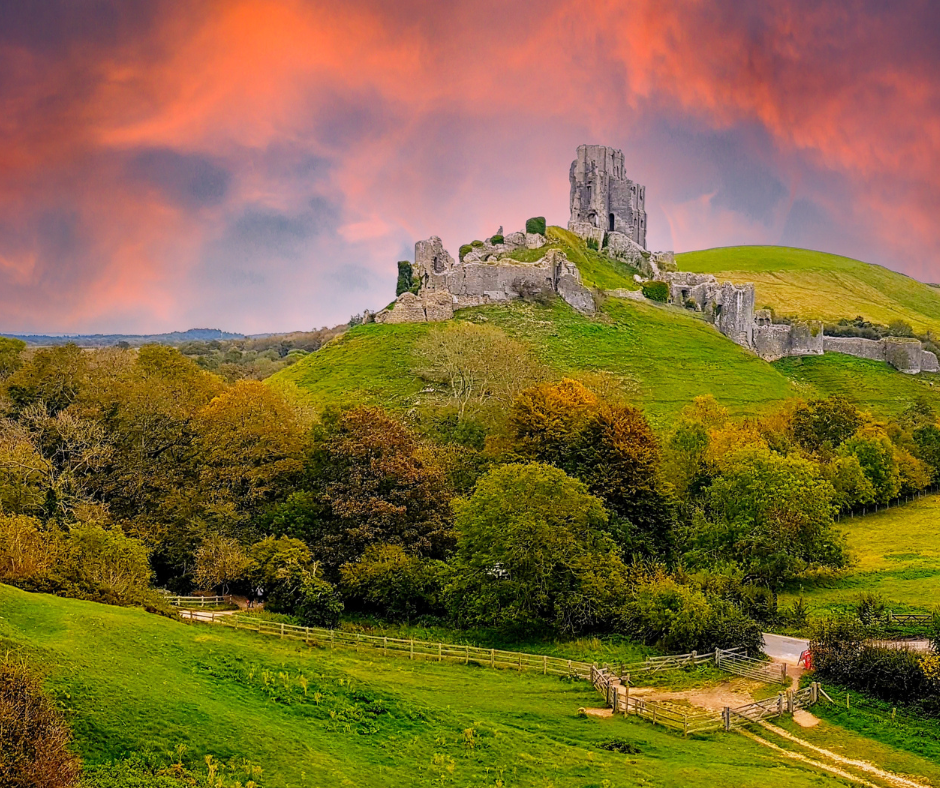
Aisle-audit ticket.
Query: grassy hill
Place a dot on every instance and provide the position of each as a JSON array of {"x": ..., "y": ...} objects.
[
  {"x": 133, "y": 682},
  {"x": 664, "y": 356},
  {"x": 896, "y": 554},
  {"x": 816, "y": 285}
]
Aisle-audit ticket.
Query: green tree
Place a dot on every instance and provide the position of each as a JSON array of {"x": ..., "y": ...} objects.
[
  {"x": 10, "y": 355},
  {"x": 405, "y": 281},
  {"x": 927, "y": 448},
  {"x": 526, "y": 536},
  {"x": 772, "y": 515},
  {"x": 827, "y": 421},
  {"x": 106, "y": 564},
  {"x": 220, "y": 561},
  {"x": 875, "y": 453}
]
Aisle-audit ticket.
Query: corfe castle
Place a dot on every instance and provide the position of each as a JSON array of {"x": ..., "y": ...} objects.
[{"x": 609, "y": 209}]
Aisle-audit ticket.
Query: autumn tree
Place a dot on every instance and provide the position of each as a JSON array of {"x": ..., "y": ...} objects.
[
  {"x": 369, "y": 480},
  {"x": 610, "y": 447},
  {"x": 10, "y": 355},
  {"x": 220, "y": 561},
  {"x": 825, "y": 422}
]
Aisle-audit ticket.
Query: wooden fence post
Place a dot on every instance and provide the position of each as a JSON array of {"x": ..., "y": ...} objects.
[
  {"x": 466, "y": 657},
  {"x": 282, "y": 630},
  {"x": 332, "y": 645},
  {"x": 815, "y": 690},
  {"x": 412, "y": 648},
  {"x": 717, "y": 657},
  {"x": 385, "y": 645},
  {"x": 726, "y": 717},
  {"x": 544, "y": 666},
  {"x": 439, "y": 652},
  {"x": 847, "y": 701},
  {"x": 492, "y": 657}
]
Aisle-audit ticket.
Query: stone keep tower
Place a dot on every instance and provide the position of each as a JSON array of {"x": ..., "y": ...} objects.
[{"x": 602, "y": 195}]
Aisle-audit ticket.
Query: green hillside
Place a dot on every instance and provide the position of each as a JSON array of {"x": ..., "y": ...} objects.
[
  {"x": 664, "y": 356},
  {"x": 896, "y": 554},
  {"x": 131, "y": 682},
  {"x": 816, "y": 285}
]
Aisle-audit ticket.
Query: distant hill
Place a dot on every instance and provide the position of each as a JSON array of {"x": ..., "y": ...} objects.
[
  {"x": 107, "y": 340},
  {"x": 816, "y": 285},
  {"x": 664, "y": 355}
]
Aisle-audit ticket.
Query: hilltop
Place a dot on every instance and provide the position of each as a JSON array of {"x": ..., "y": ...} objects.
[
  {"x": 820, "y": 286},
  {"x": 663, "y": 355}
]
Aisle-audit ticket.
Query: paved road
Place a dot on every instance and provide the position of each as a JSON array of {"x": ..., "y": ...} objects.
[{"x": 784, "y": 648}]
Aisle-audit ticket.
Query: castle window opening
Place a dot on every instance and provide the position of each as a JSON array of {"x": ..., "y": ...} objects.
[{"x": 611, "y": 223}]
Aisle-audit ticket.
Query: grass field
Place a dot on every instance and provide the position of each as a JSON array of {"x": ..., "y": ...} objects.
[
  {"x": 133, "y": 682},
  {"x": 816, "y": 285},
  {"x": 896, "y": 554}
]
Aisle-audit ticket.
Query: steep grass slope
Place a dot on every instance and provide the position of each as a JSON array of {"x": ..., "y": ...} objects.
[
  {"x": 816, "y": 285},
  {"x": 133, "y": 682},
  {"x": 664, "y": 356},
  {"x": 896, "y": 554}
]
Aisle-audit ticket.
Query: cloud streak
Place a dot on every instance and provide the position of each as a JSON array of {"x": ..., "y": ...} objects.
[{"x": 259, "y": 165}]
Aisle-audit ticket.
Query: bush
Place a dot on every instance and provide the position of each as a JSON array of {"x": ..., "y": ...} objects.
[
  {"x": 535, "y": 225},
  {"x": 405, "y": 281},
  {"x": 592, "y": 244},
  {"x": 319, "y": 605},
  {"x": 394, "y": 585},
  {"x": 497, "y": 239},
  {"x": 464, "y": 251},
  {"x": 105, "y": 565},
  {"x": 656, "y": 291},
  {"x": 679, "y": 618},
  {"x": 34, "y": 739},
  {"x": 476, "y": 244}
]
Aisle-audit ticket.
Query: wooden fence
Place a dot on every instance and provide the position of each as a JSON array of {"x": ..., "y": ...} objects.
[
  {"x": 909, "y": 618},
  {"x": 749, "y": 667},
  {"x": 411, "y": 649},
  {"x": 202, "y": 601}
]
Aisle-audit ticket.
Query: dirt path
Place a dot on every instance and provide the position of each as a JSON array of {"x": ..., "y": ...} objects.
[
  {"x": 733, "y": 693},
  {"x": 865, "y": 766}
]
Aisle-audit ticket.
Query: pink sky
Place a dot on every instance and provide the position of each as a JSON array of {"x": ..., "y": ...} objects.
[{"x": 260, "y": 165}]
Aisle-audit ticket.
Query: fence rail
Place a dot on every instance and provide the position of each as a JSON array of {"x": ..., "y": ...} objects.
[
  {"x": 176, "y": 601},
  {"x": 909, "y": 618},
  {"x": 412, "y": 649}
]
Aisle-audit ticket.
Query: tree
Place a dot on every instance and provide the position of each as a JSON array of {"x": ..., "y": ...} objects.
[
  {"x": 394, "y": 584},
  {"x": 772, "y": 515},
  {"x": 26, "y": 550},
  {"x": 405, "y": 280},
  {"x": 220, "y": 561},
  {"x": 480, "y": 366},
  {"x": 825, "y": 421},
  {"x": 318, "y": 604},
  {"x": 10, "y": 356},
  {"x": 54, "y": 376},
  {"x": 610, "y": 447},
  {"x": 106, "y": 564},
  {"x": 876, "y": 454},
  {"x": 369, "y": 481},
  {"x": 927, "y": 448},
  {"x": 35, "y": 743},
  {"x": 526, "y": 537},
  {"x": 279, "y": 565},
  {"x": 249, "y": 445}
]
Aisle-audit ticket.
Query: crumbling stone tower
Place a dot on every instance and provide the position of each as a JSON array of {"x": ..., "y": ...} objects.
[{"x": 604, "y": 197}]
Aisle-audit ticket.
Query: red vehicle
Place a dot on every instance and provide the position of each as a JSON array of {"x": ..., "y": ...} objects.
[{"x": 806, "y": 659}]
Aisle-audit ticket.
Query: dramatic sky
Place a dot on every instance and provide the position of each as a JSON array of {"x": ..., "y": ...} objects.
[{"x": 260, "y": 165}]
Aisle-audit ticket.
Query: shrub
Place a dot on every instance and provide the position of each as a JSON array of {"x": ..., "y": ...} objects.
[
  {"x": 393, "y": 584},
  {"x": 656, "y": 291},
  {"x": 690, "y": 303},
  {"x": 592, "y": 244},
  {"x": 319, "y": 605},
  {"x": 476, "y": 244},
  {"x": 34, "y": 739},
  {"x": 464, "y": 251},
  {"x": 106, "y": 565},
  {"x": 677, "y": 617},
  {"x": 535, "y": 225},
  {"x": 497, "y": 239},
  {"x": 405, "y": 281},
  {"x": 26, "y": 551}
]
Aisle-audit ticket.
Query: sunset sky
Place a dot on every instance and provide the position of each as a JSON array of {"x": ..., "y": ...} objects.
[{"x": 260, "y": 165}]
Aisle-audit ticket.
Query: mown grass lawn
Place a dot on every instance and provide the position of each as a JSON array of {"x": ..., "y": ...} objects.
[
  {"x": 817, "y": 285},
  {"x": 895, "y": 553},
  {"x": 133, "y": 682}
]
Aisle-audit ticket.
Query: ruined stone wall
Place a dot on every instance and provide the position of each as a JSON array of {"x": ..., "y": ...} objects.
[{"x": 777, "y": 340}]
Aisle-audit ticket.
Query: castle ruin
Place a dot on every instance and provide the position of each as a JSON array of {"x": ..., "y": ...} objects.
[{"x": 608, "y": 210}]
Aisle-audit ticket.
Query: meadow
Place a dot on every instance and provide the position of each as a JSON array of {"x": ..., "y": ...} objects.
[
  {"x": 895, "y": 554},
  {"x": 821, "y": 286},
  {"x": 133, "y": 682}
]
